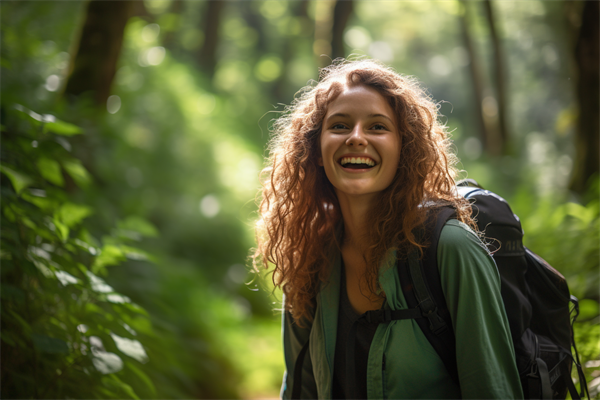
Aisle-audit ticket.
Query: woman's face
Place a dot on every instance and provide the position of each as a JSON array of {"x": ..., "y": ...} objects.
[{"x": 360, "y": 143}]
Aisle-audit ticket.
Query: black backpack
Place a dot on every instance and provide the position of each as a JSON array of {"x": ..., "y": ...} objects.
[{"x": 535, "y": 295}]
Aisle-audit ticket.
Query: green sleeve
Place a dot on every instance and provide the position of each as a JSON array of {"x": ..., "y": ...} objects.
[
  {"x": 471, "y": 285},
  {"x": 294, "y": 338}
]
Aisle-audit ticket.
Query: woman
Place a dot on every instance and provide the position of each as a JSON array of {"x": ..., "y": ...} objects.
[{"x": 356, "y": 165}]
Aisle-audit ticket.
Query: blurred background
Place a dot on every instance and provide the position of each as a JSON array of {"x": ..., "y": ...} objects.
[{"x": 133, "y": 133}]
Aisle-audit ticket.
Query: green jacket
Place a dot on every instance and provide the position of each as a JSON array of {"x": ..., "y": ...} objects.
[{"x": 485, "y": 354}]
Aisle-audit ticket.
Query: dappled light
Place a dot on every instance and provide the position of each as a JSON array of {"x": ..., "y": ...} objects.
[{"x": 132, "y": 148}]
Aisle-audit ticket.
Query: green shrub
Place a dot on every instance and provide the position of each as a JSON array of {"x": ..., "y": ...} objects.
[{"x": 65, "y": 332}]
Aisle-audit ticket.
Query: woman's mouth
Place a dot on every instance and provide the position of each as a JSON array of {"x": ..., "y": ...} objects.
[{"x": 357, "y": 162}]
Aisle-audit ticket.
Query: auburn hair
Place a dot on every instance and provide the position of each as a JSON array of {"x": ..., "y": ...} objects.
[{"x": 300, "y": 222}]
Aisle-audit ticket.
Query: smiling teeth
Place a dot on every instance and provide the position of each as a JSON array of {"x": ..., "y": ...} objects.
[{"x": 357, "y": 160}]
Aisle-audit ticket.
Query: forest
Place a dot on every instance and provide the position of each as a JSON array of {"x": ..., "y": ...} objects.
[{"x": 134, "y": 132}]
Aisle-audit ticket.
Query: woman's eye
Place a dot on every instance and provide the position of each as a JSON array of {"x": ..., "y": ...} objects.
[
  {"x": 338, "y": 126},
  {"x": 378, "y": 127}
]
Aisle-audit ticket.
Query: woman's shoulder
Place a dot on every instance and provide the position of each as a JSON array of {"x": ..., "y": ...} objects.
[
  {"x": 456, "y": 235},
  {"x": 462, "y": 256}
]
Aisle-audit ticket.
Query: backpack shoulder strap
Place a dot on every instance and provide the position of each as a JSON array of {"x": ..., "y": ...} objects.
[
  {"x": 421, "y": 285},
  {"x": 297, "y": 389}
]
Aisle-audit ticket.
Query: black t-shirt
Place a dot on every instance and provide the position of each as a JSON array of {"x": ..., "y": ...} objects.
[{"x": 364, "y": 337}]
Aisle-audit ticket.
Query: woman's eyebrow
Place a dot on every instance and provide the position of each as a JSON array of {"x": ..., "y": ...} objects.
[
  {"x": 380, "y": 115},
  {"x": 338, "y": 115},
  {"x": 342, "y": 115}
]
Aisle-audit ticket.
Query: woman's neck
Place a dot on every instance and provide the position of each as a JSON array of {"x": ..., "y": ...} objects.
[{"x": 355, "y": 211}]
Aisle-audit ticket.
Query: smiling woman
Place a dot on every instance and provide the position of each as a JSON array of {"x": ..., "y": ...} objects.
[
  {"x": 360, "y": 144},
  {"x": 359, "y": 168}
]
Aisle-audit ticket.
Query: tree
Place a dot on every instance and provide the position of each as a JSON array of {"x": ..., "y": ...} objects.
[
  {"x": 341, "y": 14},
  {"x": 476, "y": 73},
  {"x": 94, "y": 65},
  {"x": 499, "y": 81},
  {"x": 207, "y": 57},
  {"x": 587, "y": 135}
]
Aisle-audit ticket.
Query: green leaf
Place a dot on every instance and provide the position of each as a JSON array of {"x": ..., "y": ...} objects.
[
  {"x": 77, "y": 171},
  {"x": 133, "y": 253},
  {"x": 107, "y": 363},
  {"x": 65, "y": 278},
  {"x": 113, "y": 382},
  {"x": 63, "y": 128},
  {"x": 50, "y": 170},
  {"x": 44, "y": 203},
  {"x": 139, "y": 225},
  {"x": 131, "y": 348},
  {"x": 19, "y": 180},
  {"x": 49, "y": 344},
  {"x": 98, "y": 285},
  {"x": 61, "y": 229},
  {"x": 91, "y": 308},
  {"x": 110, "y": 255},
  {"x": 71, "y": 214},
  {"x": 147, "y": 381}
]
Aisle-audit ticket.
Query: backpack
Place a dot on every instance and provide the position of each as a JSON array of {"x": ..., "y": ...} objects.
[{"x": 535, "y": 295}]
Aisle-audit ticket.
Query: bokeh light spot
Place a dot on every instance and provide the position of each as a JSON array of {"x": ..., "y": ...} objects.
[
  {"x": 113, "y": 104},
  {"x": 472, "y": 148},
  {"x": 52, "y": 83},
  {"x": 268, "y": 69},
  {"x": 490, "y": 106},
  {"x": 321, "y": 47},
  {"x": 272, "y": 9},
  {"x": 381, "y": 51},
  {"x": 357, "y": 37},
  {"x": 237, "y": 273},
  {"x": 460, "y": 56},
  {"x": 150, "y": 32},
  {"x": 157, "y": 7},
  {"x": 156, "y": 55},
  {"x": 210, "y": 206},
  {"x": 206, "y": 103},
  {"x": 440, "y": 65}
]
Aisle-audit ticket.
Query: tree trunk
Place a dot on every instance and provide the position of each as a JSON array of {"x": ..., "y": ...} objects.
[
  {"x": 94, "y": 65},
  {"x": 587, "y": 143},
  {"x": 290, "y": 47},
  {"x": 170, "y": 37},
  {"x": 341, "y": 15},
  {"x": 323, "y": 31},
  {"x": 257, "y": 22},
  {"x": 207, "y": 58},
  {"x": 500, "y": 80},
  {"x": 476, "y": 75}
]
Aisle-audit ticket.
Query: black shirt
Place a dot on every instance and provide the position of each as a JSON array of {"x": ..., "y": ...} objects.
[{"x": 364, "y": 337}]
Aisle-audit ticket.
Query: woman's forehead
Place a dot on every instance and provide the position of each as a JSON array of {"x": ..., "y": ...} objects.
[{"x": 353, "y": 98}]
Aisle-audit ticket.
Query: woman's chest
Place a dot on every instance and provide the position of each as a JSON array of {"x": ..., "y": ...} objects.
[{"x": 361, "y": 295}]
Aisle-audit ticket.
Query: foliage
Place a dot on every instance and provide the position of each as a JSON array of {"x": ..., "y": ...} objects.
[
  {"x": 567, "y": 235},
  {"x": 65, "y": 331},
  {"x": 161, "y": 183}
]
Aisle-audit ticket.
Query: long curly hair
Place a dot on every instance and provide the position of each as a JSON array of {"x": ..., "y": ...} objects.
[{"x": 300, "y": 223}]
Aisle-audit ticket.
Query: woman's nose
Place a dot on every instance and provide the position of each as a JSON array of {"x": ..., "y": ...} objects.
[{"x": 357, "y": 137}]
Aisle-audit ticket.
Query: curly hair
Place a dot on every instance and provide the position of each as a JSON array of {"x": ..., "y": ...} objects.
[{"x": 299, "y": 211}]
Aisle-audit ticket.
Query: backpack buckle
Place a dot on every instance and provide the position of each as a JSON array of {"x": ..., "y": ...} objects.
[
  {"x": 378, "y": 316},
  {"x": 436, "y": 323}
]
